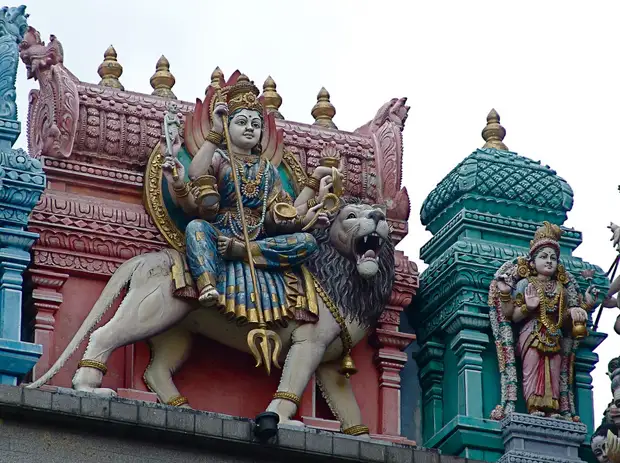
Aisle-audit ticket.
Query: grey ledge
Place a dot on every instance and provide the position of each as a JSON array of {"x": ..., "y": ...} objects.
[{"x": 90, "y": 428}]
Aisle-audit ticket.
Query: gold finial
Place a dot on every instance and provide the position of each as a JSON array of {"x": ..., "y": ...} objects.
[
  {"x": 323, "y": 111},
  {"x": 272, "y": 98},
  {"x": 163, "y": 80},
  {"x": 494, "y": 133},
  {"x": 216, "y": 76},
  {"x": 110, "y": 70}
]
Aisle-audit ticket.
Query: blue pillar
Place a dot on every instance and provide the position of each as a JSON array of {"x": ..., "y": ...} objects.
[{"x": 21, "y": 183}]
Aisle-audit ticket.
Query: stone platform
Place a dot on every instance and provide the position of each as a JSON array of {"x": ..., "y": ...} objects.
[
  {"x": 65, "y": 427},
  {"x": 532, "y": 439}
]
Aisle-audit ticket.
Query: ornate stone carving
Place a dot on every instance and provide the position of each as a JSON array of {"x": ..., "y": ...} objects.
[
  {"x": 53, "y": 111},
  {"x": 12, "y": 28},
  {"x": 386, "y": 132}
]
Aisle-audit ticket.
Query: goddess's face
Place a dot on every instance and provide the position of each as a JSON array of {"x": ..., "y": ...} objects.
[
  {"x": 546, "y": 261},
  {"x": 245, "y": 129},
  {"x": 599, "y": 448}
]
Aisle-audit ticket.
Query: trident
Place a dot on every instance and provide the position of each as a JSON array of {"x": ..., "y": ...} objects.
[{"x": 260, "y": 336}]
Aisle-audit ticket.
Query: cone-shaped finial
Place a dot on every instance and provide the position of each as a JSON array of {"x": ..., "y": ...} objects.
[
  {"x": 216, "y": 76},
  {"x": 272, "y": 98},
  {"x": 323, "y": 111},
  {"x": 494, "y": 133},
  {"x": 243, "y": 78},
  {"x": 163, "y": 80},
  {"x": 110, "y": 70}
]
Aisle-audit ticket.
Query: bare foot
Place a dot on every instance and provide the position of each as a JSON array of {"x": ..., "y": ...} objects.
[
  {"x": 230, "y": 248},
  {"x": 208, "y": 296}
]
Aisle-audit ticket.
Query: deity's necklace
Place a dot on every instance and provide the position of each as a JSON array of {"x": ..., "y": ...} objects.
[
  {"x": 250, "y": 187},
  {"x": 548, "y": 305}
]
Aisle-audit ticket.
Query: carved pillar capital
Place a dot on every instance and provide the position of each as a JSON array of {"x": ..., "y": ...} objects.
[{"x": 46, "y": 299}]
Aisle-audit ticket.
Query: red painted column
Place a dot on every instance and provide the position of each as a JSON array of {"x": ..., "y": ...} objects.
[
  {"x": 46, "y": 300},
  {"x": 389, "y": 343}
]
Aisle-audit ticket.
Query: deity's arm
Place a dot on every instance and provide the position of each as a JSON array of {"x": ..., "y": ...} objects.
[
  {"x": 202, "y": 161},
  {"x": 302, "y": 201},
  {"x": 183, "y": 197},
  {"x": 513, "y": 304}
]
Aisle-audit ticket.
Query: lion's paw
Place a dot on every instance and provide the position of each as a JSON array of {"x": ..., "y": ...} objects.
[
  {"x": 292, "y": 423},
  {"x": 100, "y": 391}
]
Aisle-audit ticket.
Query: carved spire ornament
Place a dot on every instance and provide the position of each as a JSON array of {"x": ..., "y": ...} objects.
[
  {"x": 272, "y": 98},
  {"x": 110, "y": 70},
  {"x": 494, "y": 133},
  {"x": 216, "y": 77},
  {"x": 163, "y": 80},
  {"x": 324, "y": 111}
]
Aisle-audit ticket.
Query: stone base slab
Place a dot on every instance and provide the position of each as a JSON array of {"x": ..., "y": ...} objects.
[
  {"x": 122, "y": 430},
  {"x": 529, "y": 438}
]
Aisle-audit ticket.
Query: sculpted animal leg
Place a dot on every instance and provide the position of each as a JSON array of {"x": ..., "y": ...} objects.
[
  {"x": 336, "y": 389},
  {"x": 309, "y": 343},
  {"x": 169, "y": 350},
  {"x": 145, "y": 312}
]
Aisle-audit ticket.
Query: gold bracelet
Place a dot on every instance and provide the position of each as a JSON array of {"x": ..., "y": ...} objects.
[
  {"x": 312, "y": 202},
  {"x": 181, "y": 192},
  {"x": 505, "y": 297},
  {"x": 85, "y": 363},
  {"x": 287, "y": 396},
  {"x": 357, "y": 430},
  {"x": 313, "y": 183},
  {"x": 524, "y": 310},
  {"x": 214, "y": 137}
]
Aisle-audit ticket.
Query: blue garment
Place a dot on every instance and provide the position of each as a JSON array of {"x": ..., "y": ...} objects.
[{"x": 276, "y": 258}]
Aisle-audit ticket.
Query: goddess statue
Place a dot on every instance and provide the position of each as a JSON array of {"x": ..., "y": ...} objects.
[
  {"x": 217, "y": 254},
  {"x": 541, "y": 299}
]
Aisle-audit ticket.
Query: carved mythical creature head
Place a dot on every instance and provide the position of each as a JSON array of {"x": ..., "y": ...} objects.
[{"x": 355, "y": 260}]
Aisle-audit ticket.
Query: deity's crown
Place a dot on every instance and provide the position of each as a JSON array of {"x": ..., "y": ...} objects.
[
  {"x": 546, "y": 235},
  {"x": 243, "y": 95}
]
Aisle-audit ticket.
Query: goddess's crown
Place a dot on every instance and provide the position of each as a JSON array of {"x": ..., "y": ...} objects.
[
  {"x": 547, "y": 235},
  {"x": 243, "y": 95}
]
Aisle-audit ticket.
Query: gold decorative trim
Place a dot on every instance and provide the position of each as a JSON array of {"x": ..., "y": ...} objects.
[
  {"x": 85, "y": 363},
  {"x": 177, "y": 401},
  {"x": 154, "y": 201},
  {"x": 356, "y": 430},
  {"x": 287, "y": 396}
]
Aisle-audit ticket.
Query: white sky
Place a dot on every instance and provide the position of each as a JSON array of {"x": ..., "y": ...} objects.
[{"x": 549, "y": 68}]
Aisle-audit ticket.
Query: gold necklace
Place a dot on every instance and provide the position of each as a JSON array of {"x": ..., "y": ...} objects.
[
  {"x": 548, "y": 305},
  {"x": 250, "y": 188}
]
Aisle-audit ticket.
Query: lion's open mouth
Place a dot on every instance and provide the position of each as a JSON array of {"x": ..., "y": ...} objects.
[{"x": 368, "y": 247}]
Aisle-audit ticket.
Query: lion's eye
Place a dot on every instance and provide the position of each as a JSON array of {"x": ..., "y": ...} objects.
[{"x": 351, "y": 216}]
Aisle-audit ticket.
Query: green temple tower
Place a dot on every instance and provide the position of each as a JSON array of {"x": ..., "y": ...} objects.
[{"x": 482, "y": 214}]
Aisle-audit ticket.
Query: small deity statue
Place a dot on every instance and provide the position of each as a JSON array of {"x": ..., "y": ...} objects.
[
  {"x": 542, "y": 300},
  {"x": 171, "y": 135},
  {"x": 277, "y": 228}
]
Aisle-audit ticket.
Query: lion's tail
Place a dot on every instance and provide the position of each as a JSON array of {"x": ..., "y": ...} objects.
[{"x": 117, "y": 283}]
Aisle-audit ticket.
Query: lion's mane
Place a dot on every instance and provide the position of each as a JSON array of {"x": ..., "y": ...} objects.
[{"x": 359, "y": 299}]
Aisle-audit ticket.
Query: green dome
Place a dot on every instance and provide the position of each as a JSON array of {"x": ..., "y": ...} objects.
[{"x": 500, "y": 182}]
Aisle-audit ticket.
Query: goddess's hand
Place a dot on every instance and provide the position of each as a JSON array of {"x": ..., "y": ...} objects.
[
  {"x": 532, "y": 301},
  {"x": 502, "y": 285},
  {"x": 324, "y": 187},
  {"x": 167, "y": 170},
  {"x": 323, "y": 171},
  {"x": 578, "y": 314},
  {"x": 220, "y": 112}
]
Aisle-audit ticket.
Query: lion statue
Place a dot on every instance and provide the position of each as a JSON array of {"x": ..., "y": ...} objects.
[{"x": 354, "y": 265}]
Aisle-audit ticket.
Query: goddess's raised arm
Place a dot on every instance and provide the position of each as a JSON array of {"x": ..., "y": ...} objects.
[{"x": 202, "y": 160}]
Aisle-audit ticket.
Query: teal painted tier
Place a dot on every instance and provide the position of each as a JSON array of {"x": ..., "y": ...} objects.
[
  {"x": 21, "y": 183},
  {"x": 501, "y": 182},
  {"x": 482, "y": 214}
]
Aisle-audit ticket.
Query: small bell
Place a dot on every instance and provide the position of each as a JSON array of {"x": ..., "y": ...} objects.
[
  {"x": 579, "y": 330},
  {"x": 347, "y": 366}
]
